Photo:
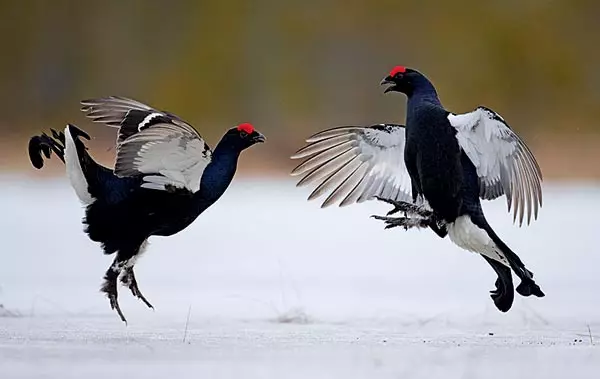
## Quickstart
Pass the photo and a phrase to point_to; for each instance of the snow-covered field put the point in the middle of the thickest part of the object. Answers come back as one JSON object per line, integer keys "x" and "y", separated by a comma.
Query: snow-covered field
{"x": 278, "y": 288}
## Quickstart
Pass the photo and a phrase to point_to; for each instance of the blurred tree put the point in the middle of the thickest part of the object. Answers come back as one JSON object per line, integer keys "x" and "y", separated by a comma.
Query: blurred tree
{"x": 293, "y": 67}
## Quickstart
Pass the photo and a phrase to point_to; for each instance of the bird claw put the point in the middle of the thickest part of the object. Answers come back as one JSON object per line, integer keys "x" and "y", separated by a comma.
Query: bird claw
{"x": 114, "y": 304}
{"x": 394, "y": 203}
{"x": 396, "y": 210}
{"x": 405, "y": 222}
{"x": 142, "y": 298}
{"x": 136, "y": 292}
{"x": 128, "y": 279}
{"x": 407, "y": 208}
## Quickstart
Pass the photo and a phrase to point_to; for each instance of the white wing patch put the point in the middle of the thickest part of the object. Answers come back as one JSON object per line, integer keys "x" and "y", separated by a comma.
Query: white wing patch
{"x": 147, "y": 120}
{"x": 355, "y": 163}
{"x": 167, "y": 157}
{"x": 504, "y": 164}
{"x": 179, "y": 161}
{"x": 166, "y": 150}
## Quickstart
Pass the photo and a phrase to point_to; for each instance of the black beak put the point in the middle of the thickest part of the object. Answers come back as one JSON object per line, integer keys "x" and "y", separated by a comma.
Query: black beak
{"x": 388, "y": 80}
{"x": 258, "y": 138}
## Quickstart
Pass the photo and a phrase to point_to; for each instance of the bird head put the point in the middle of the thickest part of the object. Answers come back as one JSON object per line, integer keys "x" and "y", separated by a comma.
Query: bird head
{"x": 400, "y": 79}
{"x": 243, "y": 136}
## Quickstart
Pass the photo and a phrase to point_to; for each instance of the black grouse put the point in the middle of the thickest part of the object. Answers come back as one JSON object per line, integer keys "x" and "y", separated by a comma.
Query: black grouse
{"x": 434, "y": 170}
{"x": 165, "y": 176}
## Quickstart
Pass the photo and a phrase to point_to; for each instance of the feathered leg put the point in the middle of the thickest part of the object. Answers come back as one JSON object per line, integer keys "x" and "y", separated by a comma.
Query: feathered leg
{"x": 128, "y": 279}
{"x": 122, "y": 262}
{"x": 109, "y": 287}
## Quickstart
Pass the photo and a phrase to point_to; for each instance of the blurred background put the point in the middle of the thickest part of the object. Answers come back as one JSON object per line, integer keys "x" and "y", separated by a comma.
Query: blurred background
{"x": 297, "y": 66}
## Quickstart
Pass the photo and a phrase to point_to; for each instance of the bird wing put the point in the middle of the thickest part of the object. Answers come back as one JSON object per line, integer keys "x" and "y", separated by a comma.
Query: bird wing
{"x": 355, "y": 163}
{"x": 164, "y": 149}
{"x": 504, "y": 163}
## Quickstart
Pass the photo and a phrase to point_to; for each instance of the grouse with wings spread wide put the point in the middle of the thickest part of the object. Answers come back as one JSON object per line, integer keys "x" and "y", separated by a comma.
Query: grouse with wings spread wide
{"x": 435, "y": 170}
{"x": 165, "y": 176}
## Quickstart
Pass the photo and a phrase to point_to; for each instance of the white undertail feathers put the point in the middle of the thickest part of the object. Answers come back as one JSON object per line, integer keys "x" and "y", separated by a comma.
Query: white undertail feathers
{"x": 74, "y": 171}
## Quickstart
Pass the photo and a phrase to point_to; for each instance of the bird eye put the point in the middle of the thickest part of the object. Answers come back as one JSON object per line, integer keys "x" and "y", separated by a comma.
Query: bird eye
{"x": 243, "y": 134}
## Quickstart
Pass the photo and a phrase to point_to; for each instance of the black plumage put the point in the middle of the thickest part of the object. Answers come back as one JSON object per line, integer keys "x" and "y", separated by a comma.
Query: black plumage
{"x": 434, "y": 170}
{"x": 165, "y": 176}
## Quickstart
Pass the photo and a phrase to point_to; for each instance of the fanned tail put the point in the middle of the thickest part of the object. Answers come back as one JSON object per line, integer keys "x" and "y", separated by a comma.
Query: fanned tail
{"x": 82, "y": 170}
{"x": 46, "y": 145}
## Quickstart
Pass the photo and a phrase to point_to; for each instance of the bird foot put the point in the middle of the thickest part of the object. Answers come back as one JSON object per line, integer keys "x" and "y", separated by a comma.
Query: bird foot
{"x": 128, "y": 279}
{"x": 405, "y": 222}
{"x": 136, "y": 292}
{"x": 114, "y": 304}
{"x": 111, "y": 292}
{"x": 407, "y": 208}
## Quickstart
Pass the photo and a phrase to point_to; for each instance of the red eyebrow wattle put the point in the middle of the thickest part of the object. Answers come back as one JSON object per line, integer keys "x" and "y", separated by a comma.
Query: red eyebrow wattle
{"x": 397, "y": 69}
{"x": 246, "y": 127}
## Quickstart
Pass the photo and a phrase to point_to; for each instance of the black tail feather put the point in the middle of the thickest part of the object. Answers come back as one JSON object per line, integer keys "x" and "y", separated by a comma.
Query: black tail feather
{"x": 44, "y": 144}
{"x": 528, "y": 286}
{"x": 76, "y": 132}
{"x": 504, "y": 294}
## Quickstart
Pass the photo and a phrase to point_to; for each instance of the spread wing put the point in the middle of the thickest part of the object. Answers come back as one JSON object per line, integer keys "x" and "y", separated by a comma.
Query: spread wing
{"x": 505, "y": 165}
{"x": 354, "y": 164}
{"x": 164, "y": 149}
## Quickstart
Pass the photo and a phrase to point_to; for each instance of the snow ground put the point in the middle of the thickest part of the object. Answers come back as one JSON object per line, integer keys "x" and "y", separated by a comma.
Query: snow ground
{"x": 279, "y": 288}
